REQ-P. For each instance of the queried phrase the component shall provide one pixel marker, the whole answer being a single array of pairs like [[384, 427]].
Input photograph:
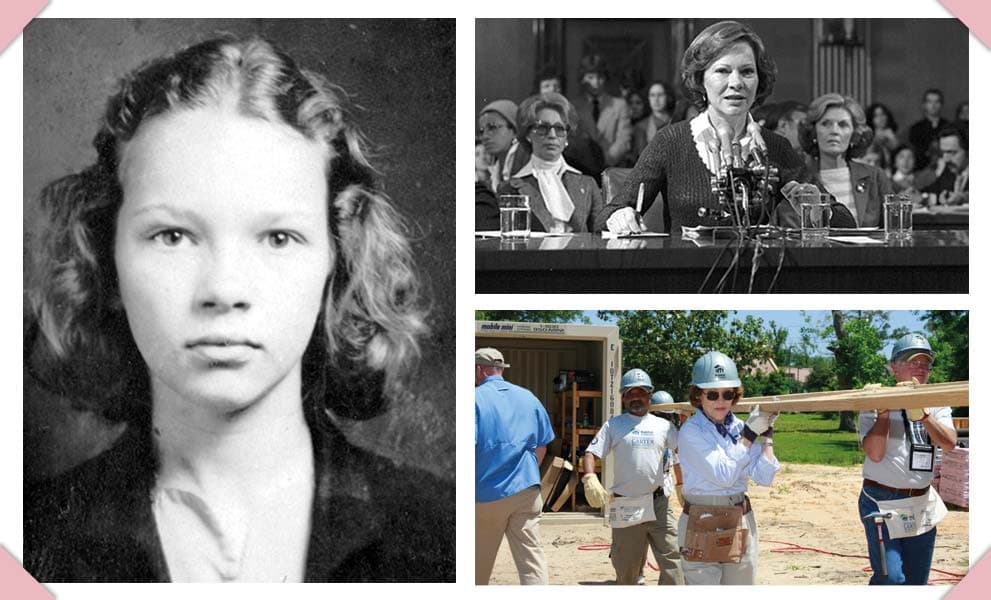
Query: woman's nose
[[225, 282]]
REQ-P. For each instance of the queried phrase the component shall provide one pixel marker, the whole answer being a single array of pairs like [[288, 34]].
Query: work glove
[[596, 495], [759, 420], [917, 414], [914, 382], [681, 495]]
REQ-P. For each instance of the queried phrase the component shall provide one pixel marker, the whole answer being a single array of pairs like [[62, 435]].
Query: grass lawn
[[814, 438]]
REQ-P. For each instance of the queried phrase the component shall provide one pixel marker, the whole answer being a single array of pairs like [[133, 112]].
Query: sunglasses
[[713, 395], [543, 129]]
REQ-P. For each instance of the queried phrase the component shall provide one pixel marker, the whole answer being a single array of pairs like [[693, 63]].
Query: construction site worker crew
[[637, 513], [719, 453], [898, 469], [512, 431]]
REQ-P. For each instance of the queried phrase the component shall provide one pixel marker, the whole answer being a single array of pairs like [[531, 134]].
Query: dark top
[[670, 164], [371, 520], [920, 137]]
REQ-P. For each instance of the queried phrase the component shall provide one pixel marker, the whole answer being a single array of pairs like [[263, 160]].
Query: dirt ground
[[808, 505]]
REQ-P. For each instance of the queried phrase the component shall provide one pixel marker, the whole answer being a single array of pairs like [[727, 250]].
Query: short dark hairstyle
[[593, 63], [546, 74], [372, 316], [783, 111], [713, 43], [952, 131], [526, 116], [892, 124], [862, 136], [936, 91]]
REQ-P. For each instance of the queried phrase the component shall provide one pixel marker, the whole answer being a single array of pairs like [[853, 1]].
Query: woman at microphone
[[726, 72]]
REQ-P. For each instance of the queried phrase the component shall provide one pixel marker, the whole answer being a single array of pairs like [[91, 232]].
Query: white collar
[[703, 131], [528, 168]]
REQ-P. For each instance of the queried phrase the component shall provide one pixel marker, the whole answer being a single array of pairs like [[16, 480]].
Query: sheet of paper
[[608, 235], [856, 240]]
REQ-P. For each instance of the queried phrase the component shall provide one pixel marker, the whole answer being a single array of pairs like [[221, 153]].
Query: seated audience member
[[924, 132], [952, 183], [882, 123], [962, 122], [786, 120], [661, 100], [903, 176], [549, 80], [561, 198], [605, 118], [497, 130]]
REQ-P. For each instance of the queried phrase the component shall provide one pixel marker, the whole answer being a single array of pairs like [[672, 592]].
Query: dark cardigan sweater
[[671, 165]]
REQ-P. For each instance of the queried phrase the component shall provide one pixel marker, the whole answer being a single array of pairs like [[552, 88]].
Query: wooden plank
[[565, 494], [549, 477], [919, 396]]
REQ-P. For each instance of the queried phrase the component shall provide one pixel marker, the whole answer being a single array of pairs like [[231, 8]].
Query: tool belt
[[910, 492], [715, 534], [745, 505]]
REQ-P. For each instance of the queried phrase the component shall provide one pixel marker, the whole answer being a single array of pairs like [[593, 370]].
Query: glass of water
[[815, 212], [897, 217], [514, 217]]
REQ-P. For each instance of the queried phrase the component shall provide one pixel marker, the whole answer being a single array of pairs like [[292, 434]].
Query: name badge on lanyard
[[922, 455], [921, 458]]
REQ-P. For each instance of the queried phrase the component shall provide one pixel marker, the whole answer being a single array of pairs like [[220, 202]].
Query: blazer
[[371, 519], [869, 185], [582, 189], [613, 131]]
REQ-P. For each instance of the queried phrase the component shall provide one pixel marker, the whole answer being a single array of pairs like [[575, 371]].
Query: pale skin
[[483, 371], [876, 441], [222, 254]]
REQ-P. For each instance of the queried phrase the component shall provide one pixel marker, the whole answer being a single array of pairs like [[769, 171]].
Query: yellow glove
[[872, 386], [914, 382], [680, 494], [596, 495], [917, 414]]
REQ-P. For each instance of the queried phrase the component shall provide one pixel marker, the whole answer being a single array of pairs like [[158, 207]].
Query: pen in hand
[[640, 208]]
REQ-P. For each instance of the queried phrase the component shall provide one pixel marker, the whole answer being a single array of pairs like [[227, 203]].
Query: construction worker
[[512, 431], [638, 512], [719, 453], [898, 445]]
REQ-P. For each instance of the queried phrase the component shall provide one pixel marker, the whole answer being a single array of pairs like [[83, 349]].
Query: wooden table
[[933, 261]]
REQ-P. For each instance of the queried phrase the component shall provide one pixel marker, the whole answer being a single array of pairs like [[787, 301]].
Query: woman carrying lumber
[[898, 469], [719, 453]]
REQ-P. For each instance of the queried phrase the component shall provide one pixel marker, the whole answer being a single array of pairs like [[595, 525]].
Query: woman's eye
[[170, 237], [279, 239]]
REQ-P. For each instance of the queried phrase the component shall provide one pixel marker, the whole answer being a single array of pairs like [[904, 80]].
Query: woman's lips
[[223, 351]]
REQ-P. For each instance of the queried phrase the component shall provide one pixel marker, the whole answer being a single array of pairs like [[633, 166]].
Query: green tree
[[533, 316], [666, 344], [857, 350], [949, 337], [823, 375]]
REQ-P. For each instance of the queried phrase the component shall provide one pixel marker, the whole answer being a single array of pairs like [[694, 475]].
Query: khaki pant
[[518, 518], [703, 573], [629, 547]]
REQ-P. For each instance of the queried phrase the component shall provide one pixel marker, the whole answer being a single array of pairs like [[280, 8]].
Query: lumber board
[[910, 396], [566, 493]]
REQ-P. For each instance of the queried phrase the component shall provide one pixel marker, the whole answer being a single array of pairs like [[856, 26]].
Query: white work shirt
[[713, 465], [639, 444], [893, 469]]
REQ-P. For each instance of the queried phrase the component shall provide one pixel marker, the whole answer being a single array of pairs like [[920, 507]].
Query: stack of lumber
[[954, 477], [558, 481]]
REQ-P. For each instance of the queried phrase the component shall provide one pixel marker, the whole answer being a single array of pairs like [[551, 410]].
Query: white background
[[11, 261]]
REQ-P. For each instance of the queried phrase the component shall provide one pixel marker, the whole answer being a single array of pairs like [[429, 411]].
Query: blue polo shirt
[[510, 423]]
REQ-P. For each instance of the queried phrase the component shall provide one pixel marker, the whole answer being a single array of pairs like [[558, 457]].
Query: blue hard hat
[[909, 345], [661, 397], [715, 370], [636, 378]]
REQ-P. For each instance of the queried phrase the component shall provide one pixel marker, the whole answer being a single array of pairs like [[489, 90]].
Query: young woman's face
[[222, 253], [658, 98], [833, 131], [879, 118]]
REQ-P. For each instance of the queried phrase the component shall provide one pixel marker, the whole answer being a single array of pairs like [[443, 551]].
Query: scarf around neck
[[549, 179], [723, 428]]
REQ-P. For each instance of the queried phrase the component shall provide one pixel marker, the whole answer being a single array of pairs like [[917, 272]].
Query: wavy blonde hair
[[368, 332]]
